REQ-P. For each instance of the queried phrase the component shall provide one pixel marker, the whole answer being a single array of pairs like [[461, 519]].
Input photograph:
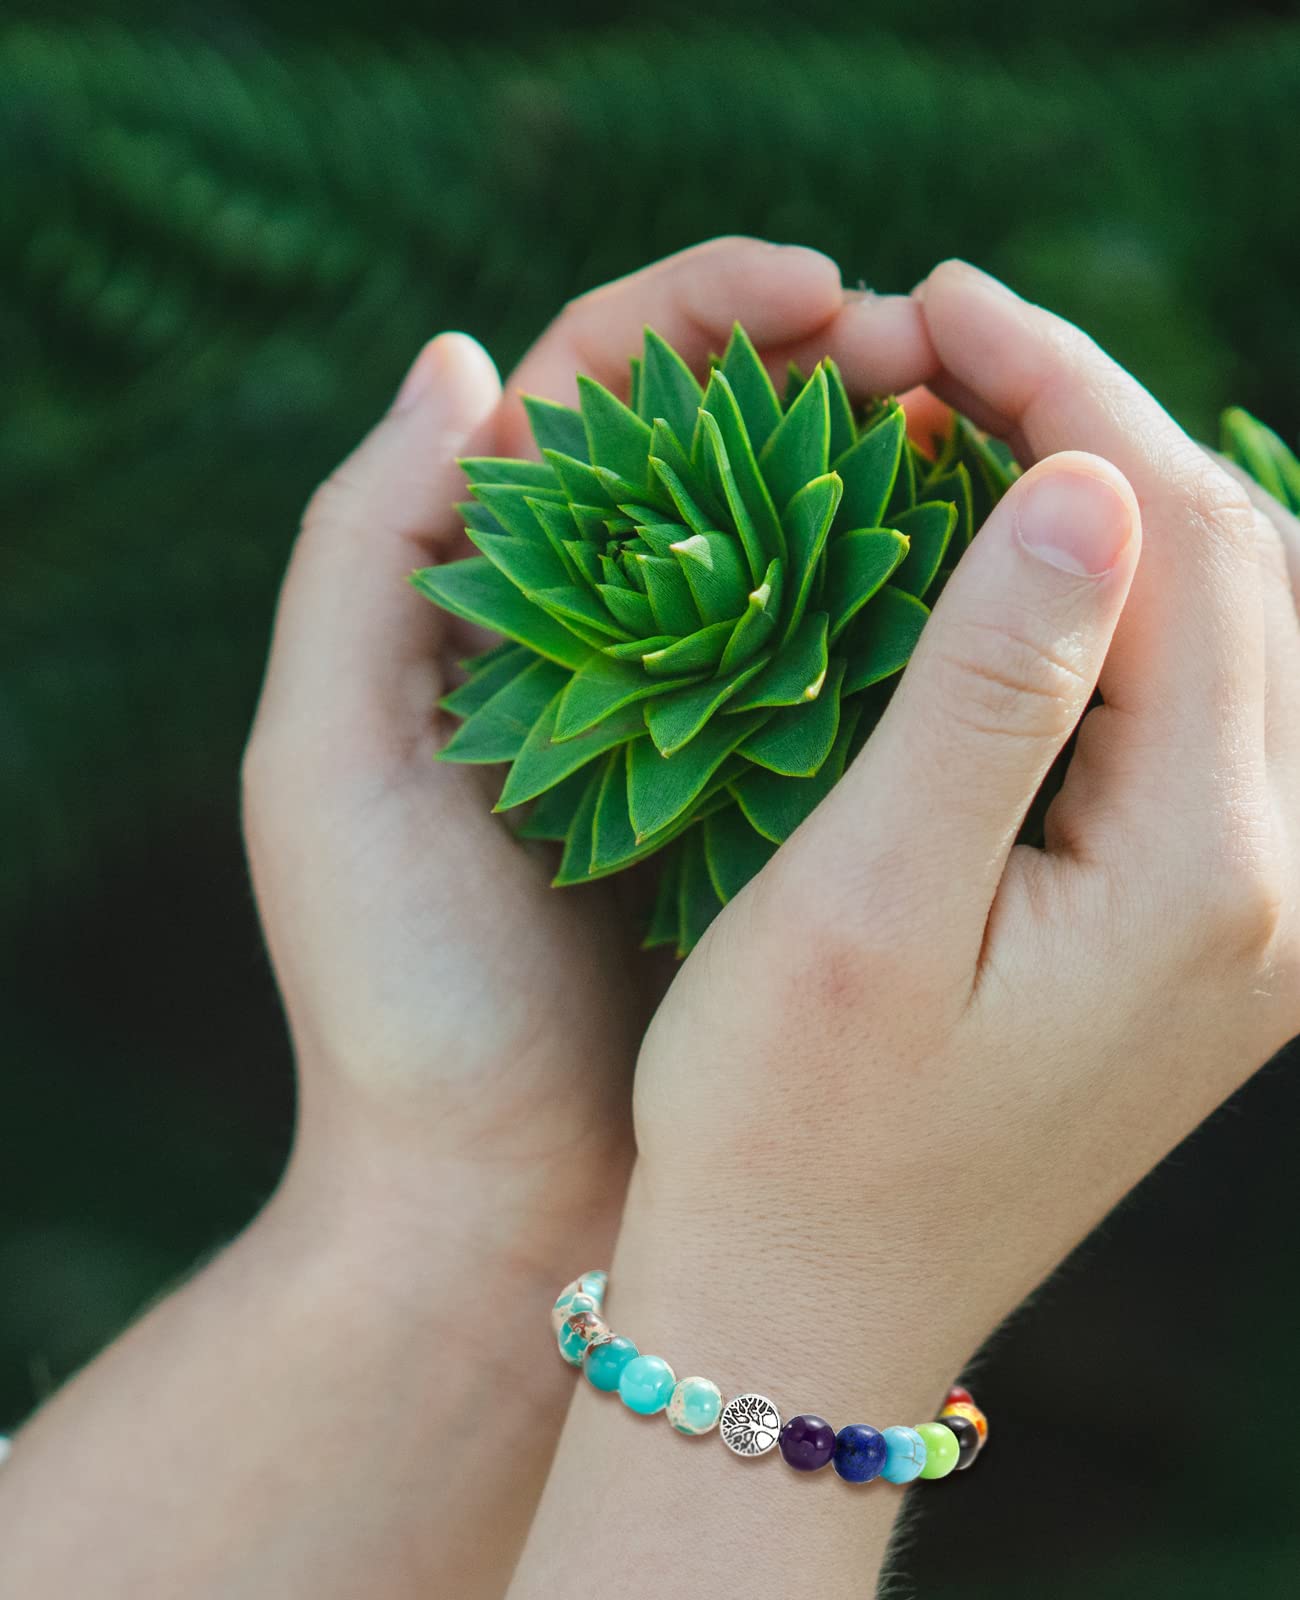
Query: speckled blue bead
[[904, 1455], [695, 1406], [646, 1385], [859, 1452], [605, 1362]]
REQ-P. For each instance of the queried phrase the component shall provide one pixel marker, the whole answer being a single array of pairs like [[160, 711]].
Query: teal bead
[[594, 1284], [646, 1385], [605, 1362], [695, 1406], [572, 1347], [905, 1455]]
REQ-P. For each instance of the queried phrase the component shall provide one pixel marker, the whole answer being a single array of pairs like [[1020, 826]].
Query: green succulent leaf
[[477, 591], [869, 471], [598, 690], [498, 729], [504, 470], [1260, 452], [551, 815], [544, 760], [928, 528], [844, 430], [662, 788], [629, 608], [756, 399], [759, 620], [665, 919], [617, 439], [858, 564], [697, 899], [677, 719], [808, 519], [556, 427], [954, 485], [669, 389], [706, 595], [689, 508], [716, 574], [698, 652], [882, 641], [743, 485], [488, 673], [575, 859], [576, 605], [795, 379], [795, 674], [797, 740], [775, 806], [669, 595], [733, 851], [530, 564], [799, 450]]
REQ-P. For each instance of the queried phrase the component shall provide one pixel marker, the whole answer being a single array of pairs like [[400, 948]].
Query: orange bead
[[965, 1408]]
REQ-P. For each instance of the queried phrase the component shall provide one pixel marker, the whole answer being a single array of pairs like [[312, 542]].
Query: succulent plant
[[705, 595]]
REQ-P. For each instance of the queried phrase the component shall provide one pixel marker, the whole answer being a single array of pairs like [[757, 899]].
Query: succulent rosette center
[[702, 593]]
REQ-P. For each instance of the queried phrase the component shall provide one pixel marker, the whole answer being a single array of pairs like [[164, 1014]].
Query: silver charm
[[749, 1425]]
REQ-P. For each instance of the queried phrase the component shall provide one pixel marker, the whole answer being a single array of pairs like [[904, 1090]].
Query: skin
[[913, 1064], [464, 1038], [1013, 1040]]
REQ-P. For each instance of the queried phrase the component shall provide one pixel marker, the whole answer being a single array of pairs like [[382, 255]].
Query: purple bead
[[860, 1452], [807, 1443]]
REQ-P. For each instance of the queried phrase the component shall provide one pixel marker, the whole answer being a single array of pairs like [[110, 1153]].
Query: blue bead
[[605, 1362], [905, 1455], [646, 1385], [859, 1453]]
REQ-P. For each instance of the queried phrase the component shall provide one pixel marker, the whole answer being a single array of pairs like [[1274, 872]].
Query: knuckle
[[995, 679], [1216, 504], [1243, 899]]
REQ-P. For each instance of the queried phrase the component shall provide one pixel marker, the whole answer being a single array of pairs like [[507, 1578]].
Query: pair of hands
[[906, 1017]]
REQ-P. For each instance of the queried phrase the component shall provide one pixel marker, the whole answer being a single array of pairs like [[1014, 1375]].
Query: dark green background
[[224, 232]]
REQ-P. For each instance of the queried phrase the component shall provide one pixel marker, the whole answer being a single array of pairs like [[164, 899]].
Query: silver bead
[[749, 1425]]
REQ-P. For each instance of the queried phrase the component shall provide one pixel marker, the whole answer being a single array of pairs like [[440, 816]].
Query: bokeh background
[[224, 231]]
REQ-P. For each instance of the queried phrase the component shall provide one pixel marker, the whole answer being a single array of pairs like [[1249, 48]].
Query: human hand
[[916, 1042], [913, 1063], [447, 1005]]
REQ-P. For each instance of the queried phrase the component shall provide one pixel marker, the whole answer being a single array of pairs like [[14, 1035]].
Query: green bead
[[695, 1405], [646, 1384], [941, 1449]]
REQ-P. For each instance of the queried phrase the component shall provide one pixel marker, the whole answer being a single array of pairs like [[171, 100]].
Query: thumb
[[350, 633], [1003, 672]]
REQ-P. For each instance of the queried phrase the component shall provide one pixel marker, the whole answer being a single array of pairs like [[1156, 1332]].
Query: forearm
[[339, 1404], [852, 1332]]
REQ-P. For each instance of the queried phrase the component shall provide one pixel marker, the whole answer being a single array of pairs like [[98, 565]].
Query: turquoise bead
[[572, 1348], [594, 1284], [646, 1385], [605, 1362], [905, 1455], [695, 1406]]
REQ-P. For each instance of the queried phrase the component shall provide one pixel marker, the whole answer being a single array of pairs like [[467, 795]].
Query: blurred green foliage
[[223, 237]]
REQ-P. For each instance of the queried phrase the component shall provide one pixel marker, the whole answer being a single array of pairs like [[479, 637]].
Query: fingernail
[[1074, 521], [450, 360]]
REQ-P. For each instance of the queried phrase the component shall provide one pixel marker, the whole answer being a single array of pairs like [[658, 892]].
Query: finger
[[353, 646], [1004, 670], [1186, 670], [780, 293], [1284, 523]]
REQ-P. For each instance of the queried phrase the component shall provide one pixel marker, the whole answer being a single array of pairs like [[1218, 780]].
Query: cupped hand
[[915, 1062], [452, 1013]]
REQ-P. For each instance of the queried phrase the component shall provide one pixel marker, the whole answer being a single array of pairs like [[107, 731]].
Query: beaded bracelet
[[750, 1424]]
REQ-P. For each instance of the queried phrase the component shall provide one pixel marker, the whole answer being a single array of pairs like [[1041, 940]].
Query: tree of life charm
[[749, 1425]]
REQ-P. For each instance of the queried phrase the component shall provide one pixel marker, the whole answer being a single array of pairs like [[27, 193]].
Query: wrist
[[371, 1193], [844, 1320]]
